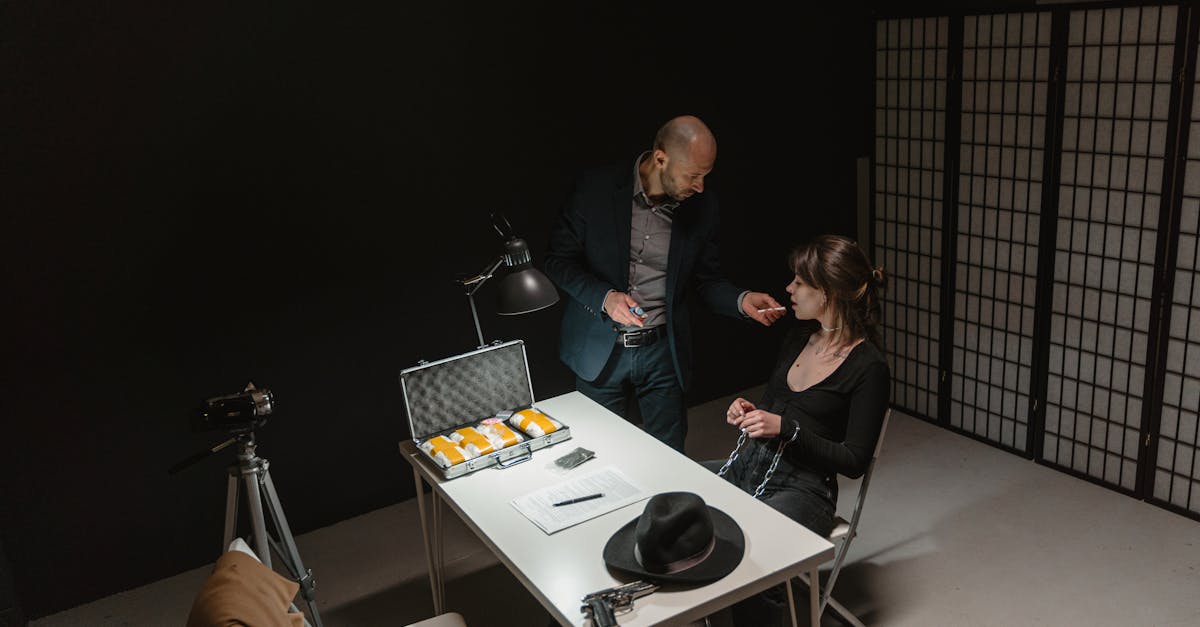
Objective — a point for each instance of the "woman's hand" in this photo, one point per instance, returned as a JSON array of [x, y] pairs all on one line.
[[737, 411], [761, 424]]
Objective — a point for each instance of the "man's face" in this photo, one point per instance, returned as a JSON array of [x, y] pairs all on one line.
[[683, 175]]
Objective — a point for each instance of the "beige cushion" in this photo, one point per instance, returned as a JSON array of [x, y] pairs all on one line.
[[241, 591]]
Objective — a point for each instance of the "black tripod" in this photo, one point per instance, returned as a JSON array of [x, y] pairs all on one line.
[[252, 471]]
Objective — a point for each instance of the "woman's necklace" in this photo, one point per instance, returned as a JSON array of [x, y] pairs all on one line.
[[843, 350], [842, 353]]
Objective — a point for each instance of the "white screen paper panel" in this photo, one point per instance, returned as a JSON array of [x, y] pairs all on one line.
[[1005, 70], [1118, 73], [1177, 468], [910, 105]]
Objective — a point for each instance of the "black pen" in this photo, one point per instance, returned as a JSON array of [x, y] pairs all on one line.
[[582, 498]]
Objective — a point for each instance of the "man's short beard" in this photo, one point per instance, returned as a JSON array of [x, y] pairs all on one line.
[[668, 187]]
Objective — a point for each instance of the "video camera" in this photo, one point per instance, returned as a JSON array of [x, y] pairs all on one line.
[[239, 413]]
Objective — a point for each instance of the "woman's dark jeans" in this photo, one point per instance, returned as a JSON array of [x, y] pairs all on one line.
[[806, 498]]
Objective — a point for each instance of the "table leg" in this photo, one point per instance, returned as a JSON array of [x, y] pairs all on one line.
[[428, 542], [791, 601], [439, 549], [814, 598]]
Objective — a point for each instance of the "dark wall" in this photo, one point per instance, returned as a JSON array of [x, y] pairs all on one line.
[[10, 609], [199, 196]]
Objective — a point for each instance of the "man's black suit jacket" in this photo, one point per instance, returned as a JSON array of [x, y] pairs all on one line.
[[589, 255]]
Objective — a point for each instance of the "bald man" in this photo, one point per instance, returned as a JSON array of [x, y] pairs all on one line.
[[631, 239]]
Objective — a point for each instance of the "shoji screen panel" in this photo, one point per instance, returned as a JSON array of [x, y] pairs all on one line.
[[1177, 468], [1118, 72], [1005, 72], [910, 109]]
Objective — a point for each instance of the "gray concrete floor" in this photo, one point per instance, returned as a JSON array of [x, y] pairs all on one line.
[[954, 532]]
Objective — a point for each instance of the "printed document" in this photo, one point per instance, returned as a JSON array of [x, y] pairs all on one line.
[[616, 489]]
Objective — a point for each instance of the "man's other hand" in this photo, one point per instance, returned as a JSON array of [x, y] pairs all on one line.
[[617, 306]]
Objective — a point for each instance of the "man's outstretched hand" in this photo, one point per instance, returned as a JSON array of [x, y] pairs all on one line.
[[763, 308]]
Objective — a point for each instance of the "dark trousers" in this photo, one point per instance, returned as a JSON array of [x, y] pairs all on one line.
[[645, 373], [807, 499]]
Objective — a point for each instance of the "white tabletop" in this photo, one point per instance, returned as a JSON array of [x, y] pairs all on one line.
[[560, 569]]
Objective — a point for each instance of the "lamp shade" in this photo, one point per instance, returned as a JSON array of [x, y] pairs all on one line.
[[524, 291]]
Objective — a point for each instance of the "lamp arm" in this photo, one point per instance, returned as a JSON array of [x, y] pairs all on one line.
[[472, 285]]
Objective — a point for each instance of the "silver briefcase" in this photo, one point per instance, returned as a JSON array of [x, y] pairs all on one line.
[[443, 396]]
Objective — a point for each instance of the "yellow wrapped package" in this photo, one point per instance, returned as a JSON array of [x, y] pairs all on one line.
[[499, 432], [472, 441], [534, 422], [444, 451]]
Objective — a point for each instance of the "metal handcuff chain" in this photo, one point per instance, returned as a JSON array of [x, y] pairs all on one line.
[[734, 455], [774, 462]]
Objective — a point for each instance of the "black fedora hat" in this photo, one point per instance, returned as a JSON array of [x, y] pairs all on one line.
[[678, 538]]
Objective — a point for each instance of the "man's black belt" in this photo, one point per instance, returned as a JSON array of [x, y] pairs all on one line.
[[639, 337]]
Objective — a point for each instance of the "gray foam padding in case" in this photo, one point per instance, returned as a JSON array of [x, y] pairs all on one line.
[[467, 389]]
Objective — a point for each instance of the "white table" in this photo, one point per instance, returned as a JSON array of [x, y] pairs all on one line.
[[559, 569]]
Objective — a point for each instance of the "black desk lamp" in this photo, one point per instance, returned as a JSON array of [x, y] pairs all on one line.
[[524, 290]]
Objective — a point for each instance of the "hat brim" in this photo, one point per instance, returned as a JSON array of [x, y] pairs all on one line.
[[727, 552]]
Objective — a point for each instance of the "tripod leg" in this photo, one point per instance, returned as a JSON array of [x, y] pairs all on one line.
[[254, 500], [290, 554], [231, 509]]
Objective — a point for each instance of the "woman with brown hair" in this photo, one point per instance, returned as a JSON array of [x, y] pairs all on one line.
[[824, 403]]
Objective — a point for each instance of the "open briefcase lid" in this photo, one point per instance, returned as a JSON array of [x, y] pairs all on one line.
[[466, 388]]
